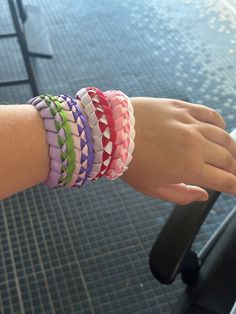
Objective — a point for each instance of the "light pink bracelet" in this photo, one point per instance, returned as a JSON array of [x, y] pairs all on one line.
[[122, 112]]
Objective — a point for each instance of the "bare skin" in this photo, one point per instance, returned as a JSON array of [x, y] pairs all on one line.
[[24, 150], [181, 148]]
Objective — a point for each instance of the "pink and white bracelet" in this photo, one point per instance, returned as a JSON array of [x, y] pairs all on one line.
[[122, 112]]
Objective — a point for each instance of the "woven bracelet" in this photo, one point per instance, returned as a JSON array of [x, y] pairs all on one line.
[[83, 141], [58, 137], [100, 119], [122, 111]]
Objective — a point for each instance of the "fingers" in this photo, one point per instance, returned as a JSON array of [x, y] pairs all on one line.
[[217, 179], [220, 157], [180, 193], [205, 114], [218, 136], [208, 115]]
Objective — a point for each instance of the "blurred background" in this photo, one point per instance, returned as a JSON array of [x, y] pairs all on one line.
[[86, 251]]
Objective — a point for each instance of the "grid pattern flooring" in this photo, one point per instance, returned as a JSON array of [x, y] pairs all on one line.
[[87, 251]]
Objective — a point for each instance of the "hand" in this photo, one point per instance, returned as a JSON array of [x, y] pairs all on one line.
[[180, 149]]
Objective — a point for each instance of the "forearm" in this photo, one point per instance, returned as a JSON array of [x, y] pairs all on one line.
[[24, 155]]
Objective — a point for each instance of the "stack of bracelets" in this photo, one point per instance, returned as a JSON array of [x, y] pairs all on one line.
[[89, 137]]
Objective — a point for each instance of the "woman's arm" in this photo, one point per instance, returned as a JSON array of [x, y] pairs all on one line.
[[24, 159]]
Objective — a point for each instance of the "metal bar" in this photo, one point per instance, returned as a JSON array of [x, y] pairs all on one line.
[[39, 55], [23, 47], [8, 35], [17, 82], [21, 10]]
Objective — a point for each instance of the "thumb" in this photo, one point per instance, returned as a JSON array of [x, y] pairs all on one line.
[[181, 193]]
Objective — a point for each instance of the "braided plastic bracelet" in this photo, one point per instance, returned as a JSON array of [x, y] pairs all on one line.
[[122, 111], [82, 141], [58, 136], [101, 122]]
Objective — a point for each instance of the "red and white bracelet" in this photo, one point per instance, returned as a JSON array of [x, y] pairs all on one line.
[[99, 114], [110, 116]]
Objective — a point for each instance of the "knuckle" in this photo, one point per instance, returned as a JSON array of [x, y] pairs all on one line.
[[189, 134], [176, 102], [191, 138], [214, 114]]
